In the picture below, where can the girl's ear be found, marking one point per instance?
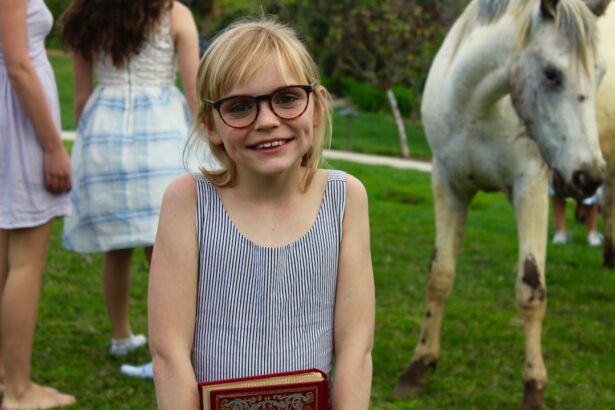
(212, 134)
(324, 92)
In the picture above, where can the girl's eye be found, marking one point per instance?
(238, 106)
(287, 98)
(552, 76)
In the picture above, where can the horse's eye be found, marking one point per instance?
(552, 76)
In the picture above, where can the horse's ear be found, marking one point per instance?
(548, 9)
(598, 7)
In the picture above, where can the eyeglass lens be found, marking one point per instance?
(287, 103)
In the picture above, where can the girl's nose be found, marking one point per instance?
(266, 118)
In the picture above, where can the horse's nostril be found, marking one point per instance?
(579, 178)
(586, 183)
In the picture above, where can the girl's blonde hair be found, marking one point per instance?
(234, 56)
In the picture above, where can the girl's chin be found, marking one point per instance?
(278, 168)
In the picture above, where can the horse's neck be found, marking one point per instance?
(605, 102)
(480, 71)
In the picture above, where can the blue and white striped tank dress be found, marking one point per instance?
(265, 310)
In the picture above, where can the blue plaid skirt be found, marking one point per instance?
(128, 149)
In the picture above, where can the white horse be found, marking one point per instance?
(510, 98)
(606, 128)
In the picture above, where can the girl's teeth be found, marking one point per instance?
(270, 144)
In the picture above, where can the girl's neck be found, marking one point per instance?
(257, 187)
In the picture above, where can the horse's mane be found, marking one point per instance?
(479, 13)
(574, 20)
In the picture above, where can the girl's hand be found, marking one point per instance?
(58, 173)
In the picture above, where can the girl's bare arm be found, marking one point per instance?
(354, 306)
(172, 297)
(28, 87)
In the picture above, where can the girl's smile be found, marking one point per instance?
(270, 145)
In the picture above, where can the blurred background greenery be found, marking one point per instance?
(369, 51)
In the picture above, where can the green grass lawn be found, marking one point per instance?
(377, 134)
(63, 70)
(482, 356)
(481, 362)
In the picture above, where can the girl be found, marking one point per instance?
(35, 177)
(132, 128)
(263, 266)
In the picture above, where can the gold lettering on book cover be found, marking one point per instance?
(296, 401)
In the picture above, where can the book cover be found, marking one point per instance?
(303, 389)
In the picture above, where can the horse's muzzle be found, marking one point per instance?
(583, 184)
(586, 182)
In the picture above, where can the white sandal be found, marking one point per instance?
(144, 371)
(125, 346)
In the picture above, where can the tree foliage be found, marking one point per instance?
(200, 7)
(383, 42)
(389, 43)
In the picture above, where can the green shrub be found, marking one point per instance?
(364, 96)
(405, 99)
(56, 7)
(367, 97)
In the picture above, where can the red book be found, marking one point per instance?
(303, 389)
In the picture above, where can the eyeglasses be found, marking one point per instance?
(240, 111)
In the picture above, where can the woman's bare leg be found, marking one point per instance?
(23, 254)
(4, 271)
(591, 217)
(116, 271)
(559, 214)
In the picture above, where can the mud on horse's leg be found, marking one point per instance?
(532, 300)
(531, 208)
(450, 214)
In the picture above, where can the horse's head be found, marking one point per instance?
(554, 81)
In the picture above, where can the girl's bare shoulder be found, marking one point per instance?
(355, 188)
(181, 191)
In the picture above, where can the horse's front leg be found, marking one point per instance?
(450, 216)
(608, 202)
(532, 211)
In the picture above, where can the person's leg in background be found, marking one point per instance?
(4, 271)
(559, 219)
(592, 207)
(116, 272)
(23, 255)
(143, 371)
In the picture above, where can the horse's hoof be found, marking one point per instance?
(412, 381)
(533, 397)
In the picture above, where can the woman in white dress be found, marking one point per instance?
(131, 132)
(35, 177)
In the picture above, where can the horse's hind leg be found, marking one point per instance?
(450, 215)
(531, 209)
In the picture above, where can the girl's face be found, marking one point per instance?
(270, 145)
